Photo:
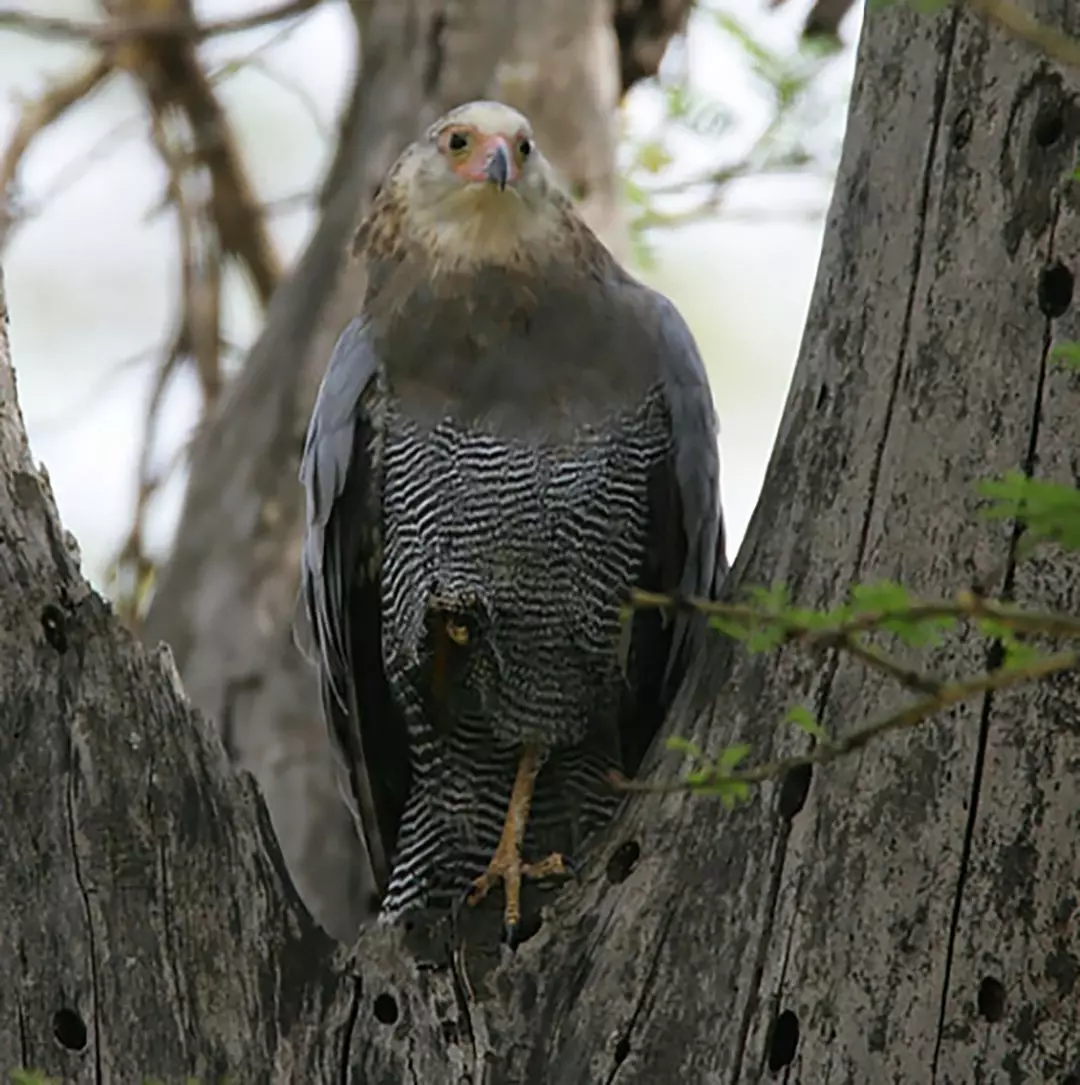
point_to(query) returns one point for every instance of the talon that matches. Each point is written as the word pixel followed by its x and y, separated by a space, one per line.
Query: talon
pixel 506 865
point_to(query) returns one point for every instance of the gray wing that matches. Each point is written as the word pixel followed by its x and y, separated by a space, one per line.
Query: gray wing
pixel 685 551
pixel 340 589
pixel 695 466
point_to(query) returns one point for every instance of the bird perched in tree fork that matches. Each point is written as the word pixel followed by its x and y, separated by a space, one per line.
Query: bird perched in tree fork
pixel 510 436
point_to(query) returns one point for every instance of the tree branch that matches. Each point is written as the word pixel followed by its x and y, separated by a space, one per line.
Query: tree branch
pixel 34 118
pixel 114 31
pixel 905 718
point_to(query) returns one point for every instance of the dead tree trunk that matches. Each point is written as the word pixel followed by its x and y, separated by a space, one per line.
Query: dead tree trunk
pixel 905 916
pixel 225 600
pixel 146 930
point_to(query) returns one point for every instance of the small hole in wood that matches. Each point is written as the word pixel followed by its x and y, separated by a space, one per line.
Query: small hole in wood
pixel 961 129
pixel 783 1041
pixel 1055 289
pixel 52 622
pixel 794 789
pixel 991 999
pixel 622 1049
pixel 69 1029
pixel 385 1009
pixel 995 656
pixel 622 861
pixel 1049 125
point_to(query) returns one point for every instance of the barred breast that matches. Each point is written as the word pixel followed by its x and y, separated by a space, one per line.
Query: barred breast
pixel 529 546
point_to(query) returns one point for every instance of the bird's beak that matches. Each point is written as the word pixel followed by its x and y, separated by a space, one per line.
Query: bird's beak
pixel 498 168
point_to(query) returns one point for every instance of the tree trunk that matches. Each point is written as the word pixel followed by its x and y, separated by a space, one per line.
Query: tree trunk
pixel 145 926
pixel 906 915
pixel 225 600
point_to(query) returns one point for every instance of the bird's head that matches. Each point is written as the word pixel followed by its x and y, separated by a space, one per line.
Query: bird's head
pixel 476 189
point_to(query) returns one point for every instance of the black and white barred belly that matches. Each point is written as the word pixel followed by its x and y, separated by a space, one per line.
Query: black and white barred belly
pixel 530 547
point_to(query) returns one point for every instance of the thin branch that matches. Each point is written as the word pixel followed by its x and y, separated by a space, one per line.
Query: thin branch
pixel 877 660
pixel 115 31
pixel 35 117
pixel 910 716
pixel 966 606
pixel 1026 28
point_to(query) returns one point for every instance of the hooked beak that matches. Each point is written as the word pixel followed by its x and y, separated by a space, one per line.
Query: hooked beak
pixel 497 169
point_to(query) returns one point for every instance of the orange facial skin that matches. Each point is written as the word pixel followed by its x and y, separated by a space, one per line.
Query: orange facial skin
pixel 483 158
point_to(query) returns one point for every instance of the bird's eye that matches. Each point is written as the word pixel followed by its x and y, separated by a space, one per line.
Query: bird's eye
pixel 525 147
pixel 457 142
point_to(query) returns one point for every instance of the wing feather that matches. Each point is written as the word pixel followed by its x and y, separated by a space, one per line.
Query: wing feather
pixel 341 595
pixel 686 547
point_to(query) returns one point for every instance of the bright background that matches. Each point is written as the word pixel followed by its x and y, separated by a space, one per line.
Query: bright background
pixel 90 285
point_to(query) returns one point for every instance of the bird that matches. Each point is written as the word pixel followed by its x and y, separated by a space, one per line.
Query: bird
pixel 511 435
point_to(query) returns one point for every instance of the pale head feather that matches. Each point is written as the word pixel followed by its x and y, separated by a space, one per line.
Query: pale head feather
pixel 459 224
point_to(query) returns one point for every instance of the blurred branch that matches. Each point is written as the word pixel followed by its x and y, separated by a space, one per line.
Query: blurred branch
pixel 145 25
pixel 35 117
pixel 219 215
pixel 824 18
pixel 1021 25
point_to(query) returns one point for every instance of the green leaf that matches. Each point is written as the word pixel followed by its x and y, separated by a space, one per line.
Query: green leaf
pixel 732 792
pixel 1066 355
pixel 730 757
pixel 1049 511
pixel 729 627
pixel 805 720
pixel 1018 655
pixel 891 600
pixel 882 595
pixel 772 600
pixel 684 745
pixel 816 620
pixel 653 157
pixel 766 638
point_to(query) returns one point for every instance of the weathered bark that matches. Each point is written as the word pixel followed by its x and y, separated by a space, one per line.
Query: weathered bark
pixel 225 600
pixel 146 926
pixel 839 929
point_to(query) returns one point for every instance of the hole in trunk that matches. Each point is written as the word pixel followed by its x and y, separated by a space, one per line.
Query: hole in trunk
pixel 386 1011
pixel 69 1029
pixel 783 1041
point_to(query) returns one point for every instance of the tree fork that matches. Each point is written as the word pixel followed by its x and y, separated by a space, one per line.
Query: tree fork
pixel 907 915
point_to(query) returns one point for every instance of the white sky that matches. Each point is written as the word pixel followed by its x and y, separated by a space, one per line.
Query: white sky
pixel 90 279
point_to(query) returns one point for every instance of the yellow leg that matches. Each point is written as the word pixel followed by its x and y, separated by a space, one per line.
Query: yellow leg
pixel 506 865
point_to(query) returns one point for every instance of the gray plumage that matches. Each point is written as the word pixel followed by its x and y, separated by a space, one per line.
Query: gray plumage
pixel 508 446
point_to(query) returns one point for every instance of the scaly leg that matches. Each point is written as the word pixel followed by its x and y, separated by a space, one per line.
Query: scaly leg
pixel 506 865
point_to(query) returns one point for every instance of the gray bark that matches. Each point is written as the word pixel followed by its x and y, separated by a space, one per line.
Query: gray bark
pixel 225 600
pixel 145 927
pixel 906 915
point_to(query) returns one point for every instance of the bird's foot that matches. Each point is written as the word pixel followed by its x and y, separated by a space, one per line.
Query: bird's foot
pixel 506 866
